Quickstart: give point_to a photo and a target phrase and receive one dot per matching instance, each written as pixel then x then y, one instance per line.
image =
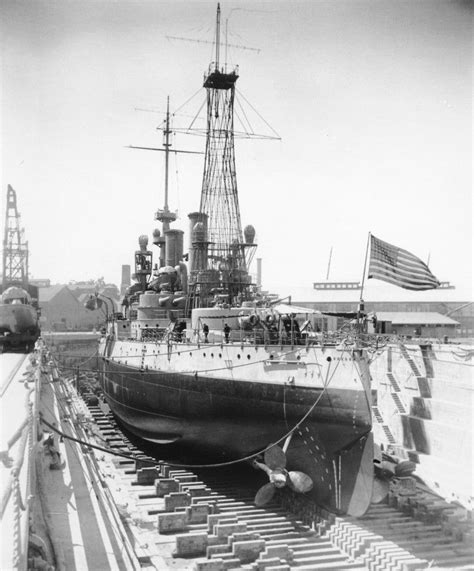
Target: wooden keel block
pixel 176 500
pixel 147 476
pixel 191 544
pixel 165 486
pixel 198 513
pixel 248 551
pixel 209 565
pixel 171 522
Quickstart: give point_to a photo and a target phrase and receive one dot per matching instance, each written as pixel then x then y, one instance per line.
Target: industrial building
pixel 432 313
pixel 62 311
pixel 416 324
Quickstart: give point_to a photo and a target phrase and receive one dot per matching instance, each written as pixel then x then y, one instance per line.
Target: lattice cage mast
pixel 229 251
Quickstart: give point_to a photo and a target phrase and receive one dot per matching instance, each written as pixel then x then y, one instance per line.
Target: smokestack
pixel 125 283
pixel 194 218
pixel 173 247
pixel 259 272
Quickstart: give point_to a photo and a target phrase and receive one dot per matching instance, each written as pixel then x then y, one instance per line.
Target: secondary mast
pixel 164 215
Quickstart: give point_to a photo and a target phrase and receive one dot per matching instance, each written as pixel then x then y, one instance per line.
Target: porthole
pixel 248 356
pixel 190 353
pixel 212 355
pixel 328 359
pixel 204 354
pixel 238 356
pixel 298 358
pixel 220 355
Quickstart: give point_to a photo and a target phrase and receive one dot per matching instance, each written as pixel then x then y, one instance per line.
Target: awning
pixel 283 308
pixel 345 314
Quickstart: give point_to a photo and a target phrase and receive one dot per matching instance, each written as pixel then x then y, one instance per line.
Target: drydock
pixel 80 493
pixel 155 443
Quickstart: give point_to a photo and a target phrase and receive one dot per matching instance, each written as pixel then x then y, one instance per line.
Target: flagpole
pixel 365 267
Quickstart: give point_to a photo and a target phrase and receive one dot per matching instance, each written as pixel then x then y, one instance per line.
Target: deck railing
pixel 16 492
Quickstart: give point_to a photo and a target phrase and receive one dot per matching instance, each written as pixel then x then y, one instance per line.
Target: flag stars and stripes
pixel 399 267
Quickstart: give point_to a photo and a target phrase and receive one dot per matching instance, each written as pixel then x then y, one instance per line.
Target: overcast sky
pixel 372 100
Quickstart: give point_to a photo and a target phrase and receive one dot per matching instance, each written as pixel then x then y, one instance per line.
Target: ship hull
pixel 18 326
pixel 233 413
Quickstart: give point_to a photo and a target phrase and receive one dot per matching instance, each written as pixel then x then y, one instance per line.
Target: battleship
pixel 201 357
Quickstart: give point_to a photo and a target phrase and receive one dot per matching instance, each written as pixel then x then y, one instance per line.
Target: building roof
pixel 374 291
pixel 46 294
pixel 415 318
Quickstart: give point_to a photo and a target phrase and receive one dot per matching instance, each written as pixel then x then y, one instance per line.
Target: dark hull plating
pixel 234 419
pixel 18 326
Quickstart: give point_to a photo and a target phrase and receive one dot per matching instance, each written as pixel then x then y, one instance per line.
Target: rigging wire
pixel 245 116
pixel 253 108
pixel 186 102
pixel 177 181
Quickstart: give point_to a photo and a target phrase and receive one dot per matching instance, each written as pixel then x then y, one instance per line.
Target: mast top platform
pixel 216 79
pixel 165 215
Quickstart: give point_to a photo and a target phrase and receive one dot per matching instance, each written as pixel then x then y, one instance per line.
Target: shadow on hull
pixel 230 428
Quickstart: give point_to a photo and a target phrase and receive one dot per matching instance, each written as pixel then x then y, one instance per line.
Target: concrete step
pixel 280 534
pixel 261 518
pixel 302 538
pixel 335 558
pixel 311 545
pixel 323 551
pixel 464 562
pixel 275 527
pixel 332 567
pixel 439 552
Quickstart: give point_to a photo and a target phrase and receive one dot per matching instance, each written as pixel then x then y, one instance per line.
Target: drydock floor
pixel 101 510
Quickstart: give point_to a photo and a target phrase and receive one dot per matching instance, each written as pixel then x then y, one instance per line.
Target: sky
pixel 372 100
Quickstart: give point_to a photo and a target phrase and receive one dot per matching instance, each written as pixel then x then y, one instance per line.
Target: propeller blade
pixel 387 469
pixel 275 457
pixel 405 468
pixel 377 453
pixel 380 490
pixel 264 495
pixel 300 482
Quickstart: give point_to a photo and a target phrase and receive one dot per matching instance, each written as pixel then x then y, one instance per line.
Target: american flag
pixel 399 267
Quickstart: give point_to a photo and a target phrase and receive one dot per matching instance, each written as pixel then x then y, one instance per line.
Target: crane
pixel 15 248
